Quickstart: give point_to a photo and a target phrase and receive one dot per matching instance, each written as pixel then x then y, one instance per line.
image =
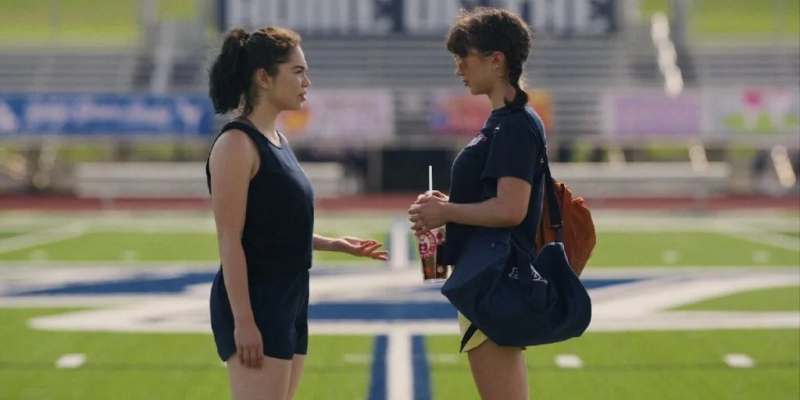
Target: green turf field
pixel 650 365
pixel 616 250
pixel 653 365
pixel 777 299
pixel 80 21
pixel 735 17
pixel 630 249
pixel 192 238
pixel 150 238
pixel 151 366
pixel 615 365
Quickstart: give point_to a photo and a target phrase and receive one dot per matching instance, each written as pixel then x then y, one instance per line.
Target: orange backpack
pixel 577 231
pixel 573 224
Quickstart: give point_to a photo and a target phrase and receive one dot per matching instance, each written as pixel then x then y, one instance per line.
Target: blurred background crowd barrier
pixel 641 98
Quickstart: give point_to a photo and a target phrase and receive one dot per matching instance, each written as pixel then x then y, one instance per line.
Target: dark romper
pixel 508 145
pixel 277 242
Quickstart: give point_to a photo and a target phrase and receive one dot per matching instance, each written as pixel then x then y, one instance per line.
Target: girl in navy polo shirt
pixel 496 180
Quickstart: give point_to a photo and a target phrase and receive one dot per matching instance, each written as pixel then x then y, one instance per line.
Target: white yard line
pixel 677 223
pixel 150 224
pixel 112 222
pixel 211 264
pixel 47 236
pixel 399 367
pixel 443 358
pixel 571 361
pixel 658 295
pixel 194 319
pixel 357 358
pixel 696 321
pixel 756 235
pixel 71 361
pixel 155 225
pixel 369 284
pixel 739 361
pixel 639 305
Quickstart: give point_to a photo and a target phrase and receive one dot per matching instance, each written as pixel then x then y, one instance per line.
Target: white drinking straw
pixel 430 178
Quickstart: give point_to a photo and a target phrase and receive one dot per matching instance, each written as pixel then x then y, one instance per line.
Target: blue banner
pixel 105 114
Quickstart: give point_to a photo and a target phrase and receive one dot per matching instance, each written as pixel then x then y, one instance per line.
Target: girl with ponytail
pixel 497 180
pixel 263 207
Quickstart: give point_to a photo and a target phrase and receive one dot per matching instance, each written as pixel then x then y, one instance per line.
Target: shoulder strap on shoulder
pixel 550 190
pixel 249 130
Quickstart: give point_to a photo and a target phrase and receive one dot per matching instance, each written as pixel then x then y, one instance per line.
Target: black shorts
pixel 280 309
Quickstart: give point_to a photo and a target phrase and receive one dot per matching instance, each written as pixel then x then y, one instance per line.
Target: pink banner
pixel 457 112
pixel 342 115
pixel 651 113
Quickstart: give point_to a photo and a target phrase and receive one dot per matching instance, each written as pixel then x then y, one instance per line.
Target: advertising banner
pixel 651 113
pixel 711 112
pixel 457 112
pixel 752 111
pixel 342 115
pixel 104 114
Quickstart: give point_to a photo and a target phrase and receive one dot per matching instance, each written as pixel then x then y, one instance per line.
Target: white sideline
pixel 739 361
pixel 71 361
pixel 47 236
pixel 399 372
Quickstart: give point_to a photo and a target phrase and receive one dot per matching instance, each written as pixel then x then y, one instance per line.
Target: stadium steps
pixel 747 64
pixel 61 70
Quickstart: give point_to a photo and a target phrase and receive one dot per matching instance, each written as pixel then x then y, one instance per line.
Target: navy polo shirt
pixel 509 144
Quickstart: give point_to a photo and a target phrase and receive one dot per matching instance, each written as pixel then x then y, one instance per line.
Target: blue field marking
pixel 155 284
pixel 601 283
pixel 375 311
pixel 422 372
pixel 377 383
pixel 140 284
pixel 588 283
pixel 412 303
pixel 143 283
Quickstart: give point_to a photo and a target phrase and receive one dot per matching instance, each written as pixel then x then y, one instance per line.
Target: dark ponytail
pixel 225 83
pixel 514 77
pixel 230 79
pixel 488 30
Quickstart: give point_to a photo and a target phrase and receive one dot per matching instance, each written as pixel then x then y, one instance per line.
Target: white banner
pixel 752 110
pixel 342 115
pixel 712 111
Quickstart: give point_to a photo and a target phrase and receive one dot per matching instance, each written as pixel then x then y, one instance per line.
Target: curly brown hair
pixel 488 29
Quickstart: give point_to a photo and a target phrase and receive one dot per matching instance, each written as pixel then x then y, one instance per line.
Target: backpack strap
pixel 549 186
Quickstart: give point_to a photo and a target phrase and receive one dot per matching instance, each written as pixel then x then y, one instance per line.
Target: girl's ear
pixel 498 59
pixel 263 79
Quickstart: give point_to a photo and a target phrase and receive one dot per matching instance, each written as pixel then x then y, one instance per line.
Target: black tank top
pixel 279 222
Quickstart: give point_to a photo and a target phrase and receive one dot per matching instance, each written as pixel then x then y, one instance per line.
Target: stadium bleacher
pixel 576 72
